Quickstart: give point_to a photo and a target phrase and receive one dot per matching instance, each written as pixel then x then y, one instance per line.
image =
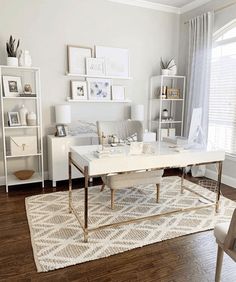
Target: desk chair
pixel 225 234
pixel 124 130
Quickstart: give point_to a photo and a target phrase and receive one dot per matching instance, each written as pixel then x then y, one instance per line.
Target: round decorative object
pixel 12 61
pixel 31 119
pixel 24 174
pixel 23 113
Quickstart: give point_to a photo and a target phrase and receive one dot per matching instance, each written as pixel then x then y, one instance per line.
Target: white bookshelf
pixel 157 103
pixel 34 161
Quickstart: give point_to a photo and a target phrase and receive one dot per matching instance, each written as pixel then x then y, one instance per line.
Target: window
pixel 222 109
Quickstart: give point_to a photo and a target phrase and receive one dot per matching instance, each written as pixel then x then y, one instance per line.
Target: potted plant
pixel 12 48
pixel 168 67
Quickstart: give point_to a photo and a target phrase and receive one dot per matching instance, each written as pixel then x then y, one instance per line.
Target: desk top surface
pixel 163 155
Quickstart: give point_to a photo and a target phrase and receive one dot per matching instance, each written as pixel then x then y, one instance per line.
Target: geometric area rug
pixel 57 238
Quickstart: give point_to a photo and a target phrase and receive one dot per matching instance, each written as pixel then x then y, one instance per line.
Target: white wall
pixel 45 27
pixel 221 18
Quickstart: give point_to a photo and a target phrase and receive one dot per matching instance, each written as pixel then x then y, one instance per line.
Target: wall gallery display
pixel 99 89
pixel 77 57
pixel 12 86
pixel 118 92
pixel 116 60
pixel 95 66
pixel 79 90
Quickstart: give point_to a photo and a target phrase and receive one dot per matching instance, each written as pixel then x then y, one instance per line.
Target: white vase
pixel 12 61
pixel 31 119
pixel 165 72
pixel 25 59
pixel 173 70
pixel 23 113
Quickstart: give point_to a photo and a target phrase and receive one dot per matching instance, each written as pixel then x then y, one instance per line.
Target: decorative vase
pixel 12 61
pixel 165 72
pixel 25 59
pixel 23 113
pixel 31 119
pixel 173 70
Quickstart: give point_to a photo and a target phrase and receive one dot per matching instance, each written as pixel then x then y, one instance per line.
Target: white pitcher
pixel 25 59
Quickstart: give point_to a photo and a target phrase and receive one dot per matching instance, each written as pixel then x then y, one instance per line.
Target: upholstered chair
pixel 124 130
pixel 225 234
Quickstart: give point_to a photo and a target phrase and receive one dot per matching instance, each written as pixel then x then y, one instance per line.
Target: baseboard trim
pixel 228 180
pixel 2 178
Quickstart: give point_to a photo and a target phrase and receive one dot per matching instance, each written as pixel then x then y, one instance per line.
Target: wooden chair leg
pixel 158 192
pixel 219 261
pixel 102 188
pixel 112 198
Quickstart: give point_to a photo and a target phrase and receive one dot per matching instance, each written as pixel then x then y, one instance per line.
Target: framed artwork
pixel 99 89
pixel 77 58
pixel 79 90
pixel 95 66
pixel 173 93
pixel 61 131
pixel 116 60
pixel 14 119
pixel 12 86
pixel 118 92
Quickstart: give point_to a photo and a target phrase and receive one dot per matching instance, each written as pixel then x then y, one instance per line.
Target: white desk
pixel 89 165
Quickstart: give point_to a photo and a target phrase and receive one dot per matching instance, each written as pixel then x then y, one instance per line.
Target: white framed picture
pixel 118 92
pixel 14 119
pixel 76 56
pixel 79 90
pixel 12 86
pixel 116 60
pixel 95 66
pixel 99 89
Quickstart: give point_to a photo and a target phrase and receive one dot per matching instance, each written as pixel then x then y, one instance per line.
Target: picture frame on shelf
pixel 99 89
pixel 76 56
pixel 95 66
pixel 13 119
pixel 173 93
pixel 12 86
pixel 116 60
pixel 118 92
pixel 79 90
pixel 61 131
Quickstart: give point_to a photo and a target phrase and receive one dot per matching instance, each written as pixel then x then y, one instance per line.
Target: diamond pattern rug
pixel 57 238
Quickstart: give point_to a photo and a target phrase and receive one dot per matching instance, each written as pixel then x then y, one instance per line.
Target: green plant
pixel 11 48
pixel 167 64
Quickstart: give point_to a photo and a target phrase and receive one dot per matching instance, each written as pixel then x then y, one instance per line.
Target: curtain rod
pixel 219 9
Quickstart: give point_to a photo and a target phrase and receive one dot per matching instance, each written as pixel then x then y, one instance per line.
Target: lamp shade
pixel 63 114
pixel 137 112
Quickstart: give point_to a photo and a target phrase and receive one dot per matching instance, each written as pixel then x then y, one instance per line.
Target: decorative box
pixel 23 145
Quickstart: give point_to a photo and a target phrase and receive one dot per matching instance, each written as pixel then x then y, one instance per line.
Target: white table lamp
pixel 63 117
pixel 137 112
pixel 63 114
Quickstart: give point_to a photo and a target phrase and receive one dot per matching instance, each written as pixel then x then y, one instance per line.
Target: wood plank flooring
pixel 185 259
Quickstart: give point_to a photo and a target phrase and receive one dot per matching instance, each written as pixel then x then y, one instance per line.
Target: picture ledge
pixel 98 101
pixel 97 76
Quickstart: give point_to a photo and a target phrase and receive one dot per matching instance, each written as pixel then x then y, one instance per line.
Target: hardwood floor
pixel 184 259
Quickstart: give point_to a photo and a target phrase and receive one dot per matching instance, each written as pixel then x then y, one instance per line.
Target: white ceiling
pixel 173 3
pixel 172 6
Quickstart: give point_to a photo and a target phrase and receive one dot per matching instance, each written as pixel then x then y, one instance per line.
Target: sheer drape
pixel 199 63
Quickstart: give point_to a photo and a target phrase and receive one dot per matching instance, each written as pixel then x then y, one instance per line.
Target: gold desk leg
pixel 158 193
pixel 86 180
pixel 70 181
pixel 220 164
pixel 182 180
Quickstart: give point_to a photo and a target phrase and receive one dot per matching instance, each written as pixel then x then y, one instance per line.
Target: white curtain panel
pixel 199 63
